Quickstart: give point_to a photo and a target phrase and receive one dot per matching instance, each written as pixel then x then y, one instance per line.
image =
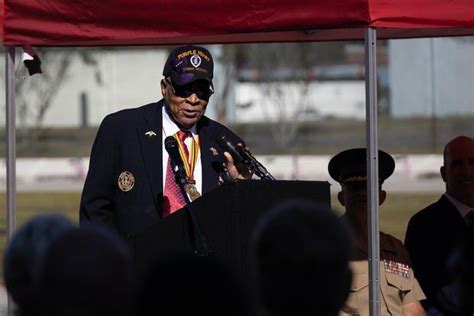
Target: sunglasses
pixel 201 88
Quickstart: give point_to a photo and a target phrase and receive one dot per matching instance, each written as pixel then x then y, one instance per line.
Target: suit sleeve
pixel 419 245
pixel 97 204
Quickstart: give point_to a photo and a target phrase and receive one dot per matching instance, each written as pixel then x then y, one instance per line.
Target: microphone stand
pixel 255 166
pixel 180 177
pixel 244 156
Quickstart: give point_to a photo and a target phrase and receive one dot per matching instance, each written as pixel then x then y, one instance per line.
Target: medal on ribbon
pixel 189 159
pixel 192 191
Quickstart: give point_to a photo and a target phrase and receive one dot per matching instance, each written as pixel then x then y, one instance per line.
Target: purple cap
pixel 189 63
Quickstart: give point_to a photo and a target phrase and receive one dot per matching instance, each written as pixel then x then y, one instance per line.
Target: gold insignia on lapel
pixel 126 181
pixel 150 133
pixel 213 151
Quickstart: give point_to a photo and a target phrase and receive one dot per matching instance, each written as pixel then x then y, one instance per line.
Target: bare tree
pixel 285 105
pixel 226 72
pixel 35 94
pixel 284 74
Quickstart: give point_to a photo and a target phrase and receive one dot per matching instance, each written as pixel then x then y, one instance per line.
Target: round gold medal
pixel 126 181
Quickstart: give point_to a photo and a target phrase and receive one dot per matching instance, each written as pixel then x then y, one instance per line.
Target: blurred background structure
pixel 292 98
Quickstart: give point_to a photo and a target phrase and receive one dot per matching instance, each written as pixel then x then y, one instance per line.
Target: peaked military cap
pixel 351 165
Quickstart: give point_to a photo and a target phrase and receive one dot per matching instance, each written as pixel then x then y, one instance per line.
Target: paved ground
pixel 398 184
pixel 413 173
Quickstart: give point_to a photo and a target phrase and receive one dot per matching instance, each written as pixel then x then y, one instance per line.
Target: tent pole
pixel 11 137
pixel 10 147
pixel 372 169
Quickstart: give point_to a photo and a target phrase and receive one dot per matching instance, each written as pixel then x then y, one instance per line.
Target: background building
pixel 80 86
pixel 431 77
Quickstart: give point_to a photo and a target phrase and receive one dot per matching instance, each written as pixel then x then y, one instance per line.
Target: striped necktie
pixel 173 199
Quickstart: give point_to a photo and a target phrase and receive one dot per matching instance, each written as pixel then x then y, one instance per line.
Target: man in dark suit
pixel 434 232
pixel 130 184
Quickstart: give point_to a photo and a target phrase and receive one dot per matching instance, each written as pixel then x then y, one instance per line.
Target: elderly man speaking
pixel 130 184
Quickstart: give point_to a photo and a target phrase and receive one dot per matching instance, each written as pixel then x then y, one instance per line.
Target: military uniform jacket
pixel 123 144
pixel 398 285
pixel 432 234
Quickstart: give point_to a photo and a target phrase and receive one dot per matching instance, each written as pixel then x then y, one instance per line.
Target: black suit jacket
pixel 432 235
pixel 121 145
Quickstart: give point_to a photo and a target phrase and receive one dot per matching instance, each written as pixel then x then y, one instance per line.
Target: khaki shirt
pixel 397 283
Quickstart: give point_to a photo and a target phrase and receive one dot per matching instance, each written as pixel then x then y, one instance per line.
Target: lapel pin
pixel 150 133
pixel 213 151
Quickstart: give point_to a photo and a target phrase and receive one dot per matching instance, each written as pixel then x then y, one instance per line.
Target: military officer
pixel 400 292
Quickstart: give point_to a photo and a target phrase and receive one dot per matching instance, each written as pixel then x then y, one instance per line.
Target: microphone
pixel 172 147
pixel 245 157
pixel 227 145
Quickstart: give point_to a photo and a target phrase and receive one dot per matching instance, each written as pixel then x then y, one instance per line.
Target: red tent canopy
pixel 151 22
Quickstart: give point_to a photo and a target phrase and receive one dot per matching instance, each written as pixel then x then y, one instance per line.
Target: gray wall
pixel 431 76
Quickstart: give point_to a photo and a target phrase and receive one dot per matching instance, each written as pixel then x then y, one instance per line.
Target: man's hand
pixel 236 171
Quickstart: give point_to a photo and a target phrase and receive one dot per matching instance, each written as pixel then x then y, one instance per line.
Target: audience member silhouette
pixel 87 271
pixel 24 259
pixel 301 254
pixel 182 284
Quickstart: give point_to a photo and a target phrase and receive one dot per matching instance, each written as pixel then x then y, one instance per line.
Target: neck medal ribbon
pixel 189 162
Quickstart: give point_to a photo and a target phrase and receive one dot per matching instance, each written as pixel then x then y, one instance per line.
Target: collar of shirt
pixel 462 208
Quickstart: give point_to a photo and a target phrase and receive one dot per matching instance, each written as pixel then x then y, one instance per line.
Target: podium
pixel 226 216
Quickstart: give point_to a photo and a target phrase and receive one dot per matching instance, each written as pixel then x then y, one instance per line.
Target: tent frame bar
pixel 11 137
pixel 10 82
pixel 372 170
